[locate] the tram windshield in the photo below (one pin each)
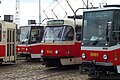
(97, 25)
(36, 34)
(31, 34)
(58, 33)
(24, 34)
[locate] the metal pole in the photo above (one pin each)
(39, 12)
(87, 4)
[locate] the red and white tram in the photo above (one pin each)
(7, 42)
(29, 37)
(61, 43)
(100, 50)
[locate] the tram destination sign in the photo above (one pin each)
(55, 22)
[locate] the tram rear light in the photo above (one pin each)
(56, 52)
(83, 55)
(42, 51)
(105, 57)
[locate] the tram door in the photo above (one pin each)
(11, 47)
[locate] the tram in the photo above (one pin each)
(7, 42)
(61, 43)
(100, 50)
(30, 36)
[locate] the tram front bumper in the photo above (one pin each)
(24, 54)
(89, 67)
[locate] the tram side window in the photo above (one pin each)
(0, 31)
(78, 32)
(116, 28)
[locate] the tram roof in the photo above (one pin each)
(68, 22)
(103, 9)
(7, 22)
(33, 25)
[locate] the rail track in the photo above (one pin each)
(24, 70)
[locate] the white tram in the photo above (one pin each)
(7, 42)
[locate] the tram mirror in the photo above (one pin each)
(78, 32)
(18, 34)
(18, 31)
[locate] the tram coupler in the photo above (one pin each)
(87, 68)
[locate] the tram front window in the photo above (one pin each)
(36, 34)
(24, 34)
(58, 33)
(96, 28)
(116, 28)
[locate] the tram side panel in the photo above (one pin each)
(64, 49)
(35, 51)
(61, 53)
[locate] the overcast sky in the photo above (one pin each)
(29, 9)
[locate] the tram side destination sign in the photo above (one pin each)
(55, 22)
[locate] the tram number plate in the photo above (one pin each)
(49, 51)
(23, 48)
(94, 54)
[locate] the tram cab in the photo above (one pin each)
(61, 43)
(101, 41)
(29, 38)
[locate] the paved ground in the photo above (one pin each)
(24, 70)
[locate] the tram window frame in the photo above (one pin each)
(0, 31)
(116, 28)
(36, 38)
(67, 35)
(78, 30)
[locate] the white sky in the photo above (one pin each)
(29, 9)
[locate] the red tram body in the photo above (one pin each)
(29, 38)
(7, 42)
(61, 43)
(100, 41)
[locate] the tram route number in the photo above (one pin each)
(49, 51)
(94, 54)
(22, 48)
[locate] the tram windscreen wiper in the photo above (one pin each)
(44, 36)
(98, 39)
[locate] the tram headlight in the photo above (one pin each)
(105, 57)
(56, 52)
(18, 49)
(83, 55)
(42, 51)
(26, 49)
